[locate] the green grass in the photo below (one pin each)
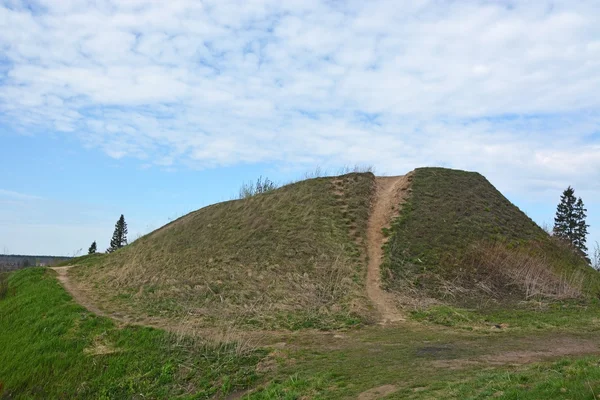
(565, 316)
(3, 284)
(86, 260)
(51, 347)
(296, 252)
(448, 215)
(564, 379)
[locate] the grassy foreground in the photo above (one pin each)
(51, 347)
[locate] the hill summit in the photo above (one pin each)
(336, 251)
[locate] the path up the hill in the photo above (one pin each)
(390, 194)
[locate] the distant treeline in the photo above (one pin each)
(11, 262)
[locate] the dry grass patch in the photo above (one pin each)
(499, 268)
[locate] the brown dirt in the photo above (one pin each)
(377, 393)
(391, 192)
(552, 348)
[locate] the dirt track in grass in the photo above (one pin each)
(391, 193)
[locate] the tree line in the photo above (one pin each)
(118, 240)
(570, 225)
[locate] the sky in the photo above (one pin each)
(153, 108)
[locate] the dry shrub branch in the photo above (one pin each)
(499, 267)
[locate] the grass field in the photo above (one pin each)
(52, 348)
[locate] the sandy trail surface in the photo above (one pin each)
(390, 194)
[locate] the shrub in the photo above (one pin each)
(3, 285)
(252, 189)
(596, 257)
(499, 267)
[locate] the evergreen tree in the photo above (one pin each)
(569, 222)
(119, 238)
(581, 228)
(93, 248)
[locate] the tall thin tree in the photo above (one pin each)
(581, 228)
(119, 238)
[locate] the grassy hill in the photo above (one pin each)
(296, 258)
(459, 239)
(290, 258)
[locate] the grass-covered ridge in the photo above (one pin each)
(51, 348)
(458, 238)
(289, 258)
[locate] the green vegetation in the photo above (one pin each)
(252, 189)
(460, 240)
(87, 260)
(119, 238)
(51, 347)
(564, 379)
(3, 285)
(564, 316)
(93, 248)
(289, 258)
(294, 258)
(569, 222)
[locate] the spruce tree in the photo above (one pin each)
(119, 238)
(581, 228)
(569, 222)
(93, 248)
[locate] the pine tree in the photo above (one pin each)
(581, 228)
(119, 238)
(569, 222)
(564, 221)
(93, 248)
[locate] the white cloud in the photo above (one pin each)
(506, 88)
(12, 195)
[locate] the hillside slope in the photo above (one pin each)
(291, 258)
(52, 348)
(459, 239)
(297, 257)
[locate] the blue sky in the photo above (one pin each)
(153, 109)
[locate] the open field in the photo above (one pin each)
(533, 355)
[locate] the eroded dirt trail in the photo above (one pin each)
(391, 192)
(78, 295)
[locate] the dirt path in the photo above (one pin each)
(391, 193)
(78, 295)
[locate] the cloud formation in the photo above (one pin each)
(503, 87)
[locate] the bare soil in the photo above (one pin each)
(377, 393)
(546, 349)
(78, 293)
(391, 193)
